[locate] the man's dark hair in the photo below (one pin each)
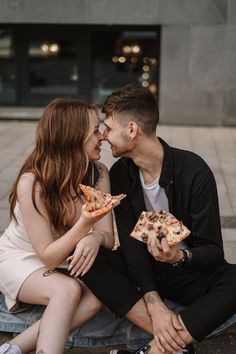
(138, 103)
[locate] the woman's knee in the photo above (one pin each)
(94, 304)
(68, 288)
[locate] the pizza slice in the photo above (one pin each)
(158, 225)
(97, 200)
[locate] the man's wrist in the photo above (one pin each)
(186, 257)
(153, 301)
(178, 256)
(189, 255)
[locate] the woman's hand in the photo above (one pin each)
(84, 254)
(92, 217)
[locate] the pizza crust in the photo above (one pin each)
(157, 225)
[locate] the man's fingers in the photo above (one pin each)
(177, 340)
(159, 344)
(165, 246)
(169, 344)
(176, 323)
(153, 247)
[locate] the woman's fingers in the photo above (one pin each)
(77, 266)
(74, 258)
(89, 265)
(106, 209)
(84, 264)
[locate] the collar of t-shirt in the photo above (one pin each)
(154, 196)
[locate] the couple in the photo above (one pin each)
(50, 225)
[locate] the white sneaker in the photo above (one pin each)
(10, 349)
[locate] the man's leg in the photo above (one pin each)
(209, 298)
(107, 279)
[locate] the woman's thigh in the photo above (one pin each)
(39, 286)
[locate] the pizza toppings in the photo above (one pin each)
(158, 225)
(97, 200)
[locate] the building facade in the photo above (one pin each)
(183, 50)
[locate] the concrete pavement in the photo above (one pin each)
(217, 145)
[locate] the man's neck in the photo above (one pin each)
(148, 156)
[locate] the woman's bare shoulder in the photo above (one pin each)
(25, 183)
(101, 167)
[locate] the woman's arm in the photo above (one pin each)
(51, 252)
(101, 235)
(104, 227)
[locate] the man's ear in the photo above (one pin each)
(133, 129)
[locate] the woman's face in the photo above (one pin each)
(93, 143)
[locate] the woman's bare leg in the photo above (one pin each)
(88, 306)
(61, 294)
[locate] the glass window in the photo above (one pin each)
(122, 57)
(53, 67)
(7, 68)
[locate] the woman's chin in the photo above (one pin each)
(95, 157)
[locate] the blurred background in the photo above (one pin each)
(183, 50)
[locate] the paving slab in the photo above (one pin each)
(216, 145)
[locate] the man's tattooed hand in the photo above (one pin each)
(152, 298)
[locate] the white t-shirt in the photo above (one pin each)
(155, 198)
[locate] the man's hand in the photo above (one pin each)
(166, 325)
(165, 253)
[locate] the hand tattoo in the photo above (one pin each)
(152, 298)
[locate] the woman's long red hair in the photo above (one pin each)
(58, 162)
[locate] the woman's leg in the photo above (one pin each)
(87, 308)
(61, 294)
(89, 305)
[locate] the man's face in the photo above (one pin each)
(117, 135)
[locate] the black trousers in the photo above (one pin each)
(209, 297)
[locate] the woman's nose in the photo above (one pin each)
(105, 134)
(100, 136)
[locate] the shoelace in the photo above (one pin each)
(4, 348)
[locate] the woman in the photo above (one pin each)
(48, 221)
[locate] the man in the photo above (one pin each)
(133, 280)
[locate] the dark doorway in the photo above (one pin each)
(39, 63)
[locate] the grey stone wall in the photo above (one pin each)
(198, 62)
(198, 47)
